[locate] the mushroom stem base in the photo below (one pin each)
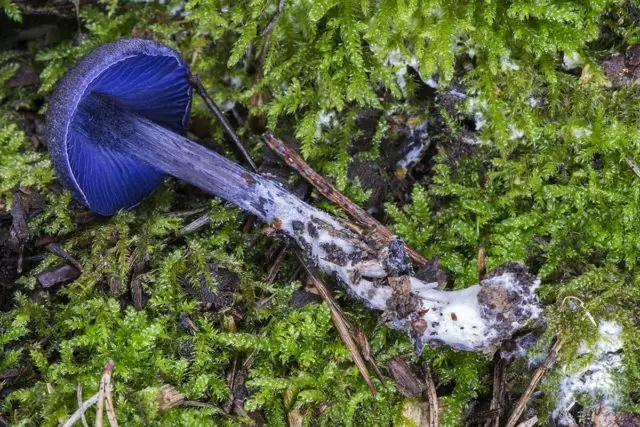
(380, 274)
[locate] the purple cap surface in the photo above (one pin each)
(141, 76)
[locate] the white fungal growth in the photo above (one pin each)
(597, 378)
(420, 143)
(579, 133)
(515, 133)
(379, 274)
(477, 107)
(507, 64)
(572, 60)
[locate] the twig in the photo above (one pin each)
(537, 376)
(529, 423)
(325, 188)
(200, 90)
(634, 166)
(79, 414)
(194, 225)
(111, 410)
(432, 396)
(56, 249)
(365, 350)
(105, 382)
(498, 390)
(274, 20)
(482, 267)
(79, 395)
(277, 263)
(341, 324)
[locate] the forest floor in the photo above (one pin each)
(481, 135)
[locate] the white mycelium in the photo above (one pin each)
(596, 378)
(475, 318)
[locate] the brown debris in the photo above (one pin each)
(535, 380)
(169, 397)
(408, 383)
(58, 275)
(432, 396)
(56, 249)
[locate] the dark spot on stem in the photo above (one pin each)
(298, 226)
(334, 254)
(313, 230)
(248, 178)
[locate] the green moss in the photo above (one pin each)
(558, 198)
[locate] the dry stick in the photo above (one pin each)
(56, 249)
(111, 410)
(498, 390)
(79, 414)
(365, 350)
(325, 188)
(277, 263)
(634, 166)
(432, 396)
(537, 376)
(529, 423)
(341, 324)
(105, 381)
(79, 395)
(200, 90)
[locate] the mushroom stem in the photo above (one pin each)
(476, 318)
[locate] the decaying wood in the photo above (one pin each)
(18, 232)
(408, 383)
(535, 380)
(57, 275)
(497, 395)
(325, 188)
(432, 396)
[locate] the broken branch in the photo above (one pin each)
(432, 396)
(76, 416)
(342, 326)
(105, 383)
(535, 380)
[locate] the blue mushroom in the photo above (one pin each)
(115, 129)
(142, 77)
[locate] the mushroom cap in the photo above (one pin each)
(141, 76)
